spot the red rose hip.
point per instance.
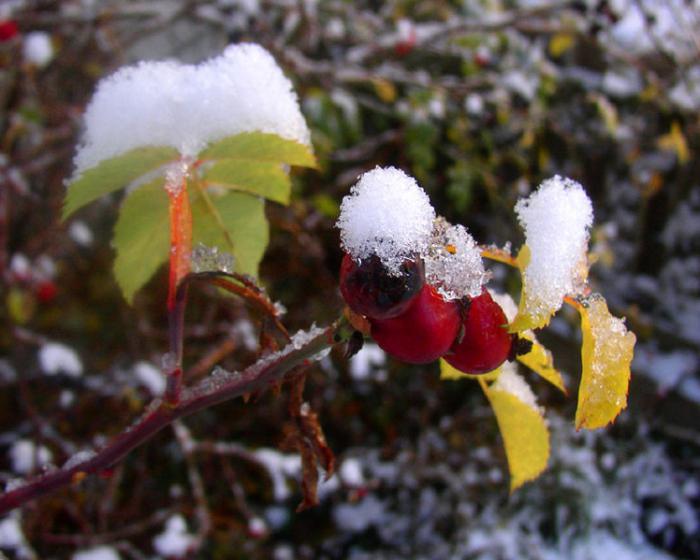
(484, 343)
(424, 332)
(370, 290)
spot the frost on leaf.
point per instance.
(522, 425)
(606, 355)
(388, 215)
(556, 219)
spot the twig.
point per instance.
(219, 387)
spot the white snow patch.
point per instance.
(80, 233)
(386, 214)
(187, 107)
(667, 370)
(12, 537)
(556, 219)
(27, 457)
(351, 472)
(368, 360)
(150, 377)
(280, 467)
(359, 516)
(174, 541)
(20, 266)
(37, 48)
(55, 358)
(509, 381)
(97, 553)
(453, 262)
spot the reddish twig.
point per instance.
(219, 387)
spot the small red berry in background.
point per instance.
(46, 291)
(484, 343)
(370, 290)
(424, 332)
(8, 30)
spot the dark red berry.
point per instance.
(46, 291)
(484, 343)
(8, 30)
(370, 290)
(424, 332)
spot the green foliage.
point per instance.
(260, 146)
(113, 174)
(234, 222)
(141, 237)
(259, 178)
(226, 195)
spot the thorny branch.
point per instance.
(209, 392)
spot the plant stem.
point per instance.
(160, 413)
(180, 254)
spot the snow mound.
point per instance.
(509, 381)
(453, 263)
(386, 214)
(56, 358)
(188, 106)
(556, 219)
(174, 541)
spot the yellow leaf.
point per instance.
(450, 373)
(608, 112)
(540, 360)
(675, 141)
(560, 43)
(384, 89)
(606, 355)
(523, 428)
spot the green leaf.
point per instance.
(141, 237)
(260, 146)
(113, 174)
(234, 222)
(260, 178)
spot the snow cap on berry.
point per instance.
(556, 219)
(188, 106)
(453, 262)
(386, 214)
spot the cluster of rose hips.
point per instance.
(413, 322)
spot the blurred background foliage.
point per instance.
(480, 100)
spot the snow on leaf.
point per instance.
(141, 237)
(606, 355)
(261, 147)
(259, 178)
(523, 428)
(113, 174)
(540, 360)
(233, 221)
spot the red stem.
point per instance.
(161, 414)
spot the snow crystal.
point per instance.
(369, 358)
(55, 358)
(37, 48)
(174, 540)
(509, 381)
(80, 233)
(556, 219)
(453, 262)
(205, 259)
(386, 214)
(150, 377)
(187, 107)
(351, 472)
(97, 553)
(26, 456)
